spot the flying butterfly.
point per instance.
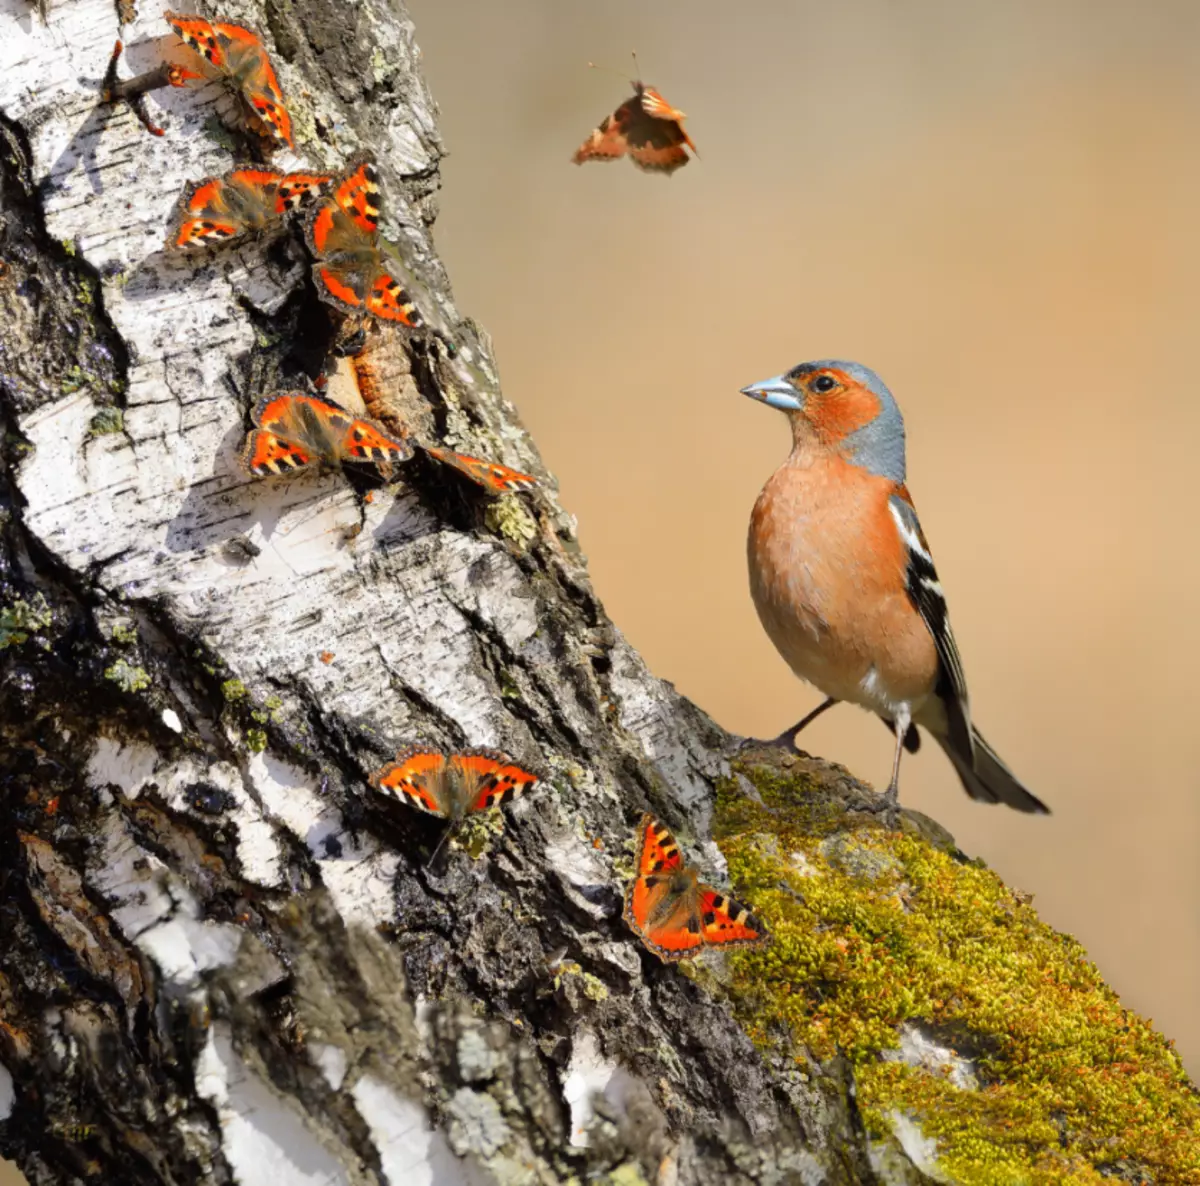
(646, 127)
(236, 56)
(672, 911)
(293, 430)
(243, 202)
(352, 273)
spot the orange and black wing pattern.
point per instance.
(238, 55)
(646, 127)
(672, 911)
(296, 190)
(491, 475)
(492, 778)
(416, 777)
(294, 429)
(654, 907)
(454, 785)
(222, 209)
(725, 922)
(351, 271)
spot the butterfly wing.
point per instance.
(654, 134)
(416, 778)
(342, 232)
(296, 190)
(491, 475)
(359, 197)
(199, 35)
(608, 141)
(221, 209)
(489, 778)
(365, 440)
(265, 453)
(250, 70)
(311, 428)
(725, 922)
(390, 301)
(665, 920)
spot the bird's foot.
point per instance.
(785, 741)
(887, 807)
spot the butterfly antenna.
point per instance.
(610, 70)
(445, 836)
(637, 70)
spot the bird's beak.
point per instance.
(775, 393)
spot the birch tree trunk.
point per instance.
(218, 962)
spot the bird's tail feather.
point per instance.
(990, 780)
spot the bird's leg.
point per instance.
(787, 739)
(888, 804)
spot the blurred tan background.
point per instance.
(995, 206)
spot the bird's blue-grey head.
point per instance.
(845, 404)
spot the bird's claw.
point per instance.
(887, 807)
(785, 741)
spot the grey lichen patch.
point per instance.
(476, 1125)
(846, 852)
(508, 517)
(21, 619)
(106, 421)
(477, 1061)
(220, 135)
(127, 677)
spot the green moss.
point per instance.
(256, 740)
(508, 517)
(234, 691)
(873, 929)
(106, 421)
(127, 677)
(23, 618)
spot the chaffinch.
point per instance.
(844, 582)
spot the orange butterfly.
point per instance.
(294, 430)
(491, 475)
(453, 785)
(351, 271)
(241, 203)
(672, 911)
(646, 127)
(236, 56)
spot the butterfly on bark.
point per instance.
(351, 271)
(452, 786)
(646, 127)
(244, 202)
(294, 430)
(491, 475)
(672, 911)
(236, 56)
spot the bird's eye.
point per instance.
(824, 383)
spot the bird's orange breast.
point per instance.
(828, 578)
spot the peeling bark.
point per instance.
(220, 961)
